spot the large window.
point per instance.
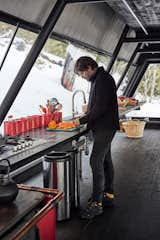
(117, 69)
(149, 92)
(16, 56)
(45, 78)
(125, 81)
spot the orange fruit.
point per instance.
(52, 125)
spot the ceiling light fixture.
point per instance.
(134, 15)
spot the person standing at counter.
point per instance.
(103, 120)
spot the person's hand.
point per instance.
(76, 122)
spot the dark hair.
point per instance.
(83, 63)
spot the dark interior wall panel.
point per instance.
(94, 24)
(85, 22)
(33, 11)
(89, 24)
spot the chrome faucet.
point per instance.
(73, 105)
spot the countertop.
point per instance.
(13, 213)
(43, 142)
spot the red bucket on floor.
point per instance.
(47, 225)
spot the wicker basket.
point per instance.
(134, 129)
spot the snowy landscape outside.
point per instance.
(44, 82)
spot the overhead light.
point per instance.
(134, 15)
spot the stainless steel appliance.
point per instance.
(56, 173)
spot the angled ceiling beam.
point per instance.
(117, 48)
(135, 16)
(143, 40)
(9, 46)
(135, 80)
(83, 1)
(129, 64)
(149, 50)
(8, 18)
(149, 57)
(153, 60)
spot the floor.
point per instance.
(136, 215)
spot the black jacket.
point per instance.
(102, 112)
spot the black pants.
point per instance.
(101, 163)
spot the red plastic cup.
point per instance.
(6, 128)
(33, 122)
(29, 123)
(18, 126)
(9, 128)
(59, 117)
(24, 125)
(39, 117)
(48, 117)
(43, 120)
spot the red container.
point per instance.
(39, 121)
(9, 128)
(47, 225)
(58, 117)
(29, 123)
(48, 117)
(6, 128)
(18, 126)
(43, 123)
(24, 125)
(13, 128)
(33, 122)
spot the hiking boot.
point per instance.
(90, 200)
(93, 209)
(108, 200)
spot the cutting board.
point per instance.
(63, 130)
